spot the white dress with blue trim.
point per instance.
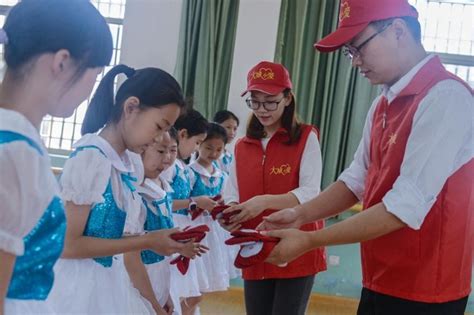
(216, 260)
(190, 284)
(32, 219)
(96, 175)
(158, 205)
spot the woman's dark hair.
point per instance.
(153, 87)
(224, 115)
(193, 122)
(35, 27)
(216, 131)
(289, 122)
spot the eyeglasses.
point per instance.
(268, 106)
(353, 52)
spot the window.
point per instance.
(60, 133)
(448, 30)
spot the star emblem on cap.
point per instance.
(345, 11)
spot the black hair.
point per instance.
(289, 121)
(35, 27)
(412, 23)
(152, 86)
(173, 134)
(224, 115)
(216, 131)
(193, 122)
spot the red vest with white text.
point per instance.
(432, 264)
(275, 171)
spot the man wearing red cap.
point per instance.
(413, 171)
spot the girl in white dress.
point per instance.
(52, 60)
(230, 122)
(102, 204)
(208, 180)
(191, 129)
(157, 203)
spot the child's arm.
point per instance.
(140, 279)
(79, 246)
(179, 204)
(6, 270)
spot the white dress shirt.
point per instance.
(440, 143)
(309, 175)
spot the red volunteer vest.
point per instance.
(432, 264)
(275, 171)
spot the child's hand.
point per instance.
(161, 242)
(169, 306)
(192, 249)
(205, 202)
(160, 311)
(219, 199)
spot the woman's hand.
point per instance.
(283, 219)
(231, 227)
(248, 209)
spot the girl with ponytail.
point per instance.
(103, 208)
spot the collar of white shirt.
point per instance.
(151, 189)
(13, 121)
(204, 172)
(122, 163)
(391, 92)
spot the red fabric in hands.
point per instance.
(248, 240)
(197, 233)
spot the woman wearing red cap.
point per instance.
(277, 165)
(413, 172)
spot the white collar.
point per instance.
(14, 121)
(391, 92)
(180, 164)
(121, 163)
(152, 189)
(226, 153)
(204, 172)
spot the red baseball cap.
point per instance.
(268, 77)
(356, 15)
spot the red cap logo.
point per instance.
(264, 74)
(356, 15)
(268, 77)
(345, 11)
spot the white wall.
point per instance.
(151, 33)
(255, 41)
